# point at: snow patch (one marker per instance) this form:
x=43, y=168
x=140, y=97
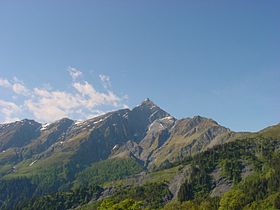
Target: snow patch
x=125, y=115
x=155, y=123
x=79, y=122
x=152, y=107
x=169, y=118
x=32, y=162
x=153, y=114
x=44, y=126
x=98, y=121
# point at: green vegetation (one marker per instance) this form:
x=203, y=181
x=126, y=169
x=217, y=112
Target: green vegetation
x=256, y=189
x=49, y=180
x=64, y=200
x=127, y=204
x=259, y=189
x=198, y=186
x=148, y=196
x=108, y=170
x=15, y=191
x=231, y=169
x=206, y=204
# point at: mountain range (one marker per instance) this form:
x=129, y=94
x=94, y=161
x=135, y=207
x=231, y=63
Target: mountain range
x=117, y=151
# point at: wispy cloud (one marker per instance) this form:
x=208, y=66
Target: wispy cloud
x=74, y=73
x=5, y=83
x=105, y=81
x=91, y=97
x=16, y=86
x=20, y=89
x=9, y=110
x=46, y=105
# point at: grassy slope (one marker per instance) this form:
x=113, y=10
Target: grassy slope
x=107, y=170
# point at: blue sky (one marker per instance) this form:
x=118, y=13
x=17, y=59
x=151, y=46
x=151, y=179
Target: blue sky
x=219, y=59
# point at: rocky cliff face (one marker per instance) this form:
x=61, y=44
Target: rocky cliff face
x=188, y=137
x=169, y=140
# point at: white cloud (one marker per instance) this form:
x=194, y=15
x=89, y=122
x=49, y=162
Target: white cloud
x=52, y=105
x=5, y=83
x=92, y=98
x=125, y=106
x=16, y=86
x=16, y=80
x=44, y=111
x=20, y=89
x=46, y=105
x=74, y=73
x=9, y=110
x=105, y=81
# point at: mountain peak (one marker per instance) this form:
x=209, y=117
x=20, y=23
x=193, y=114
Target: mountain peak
x=148, y=102
x=150, y=108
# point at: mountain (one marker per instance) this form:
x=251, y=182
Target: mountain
x=169, y=140
x=190, y=136
x=18, y=134
x=156, y=135
x=143, y=153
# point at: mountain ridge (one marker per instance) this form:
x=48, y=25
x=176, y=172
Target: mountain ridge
x=155, y=133
x=139, y=144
